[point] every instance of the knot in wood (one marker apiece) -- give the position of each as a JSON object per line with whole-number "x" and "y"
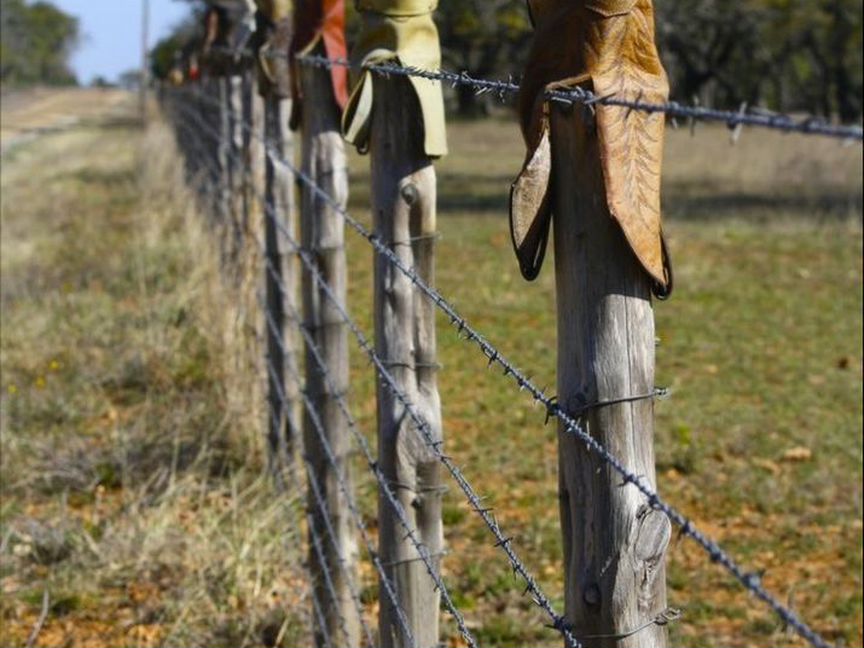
{"x": 410, "y": 194}
{"x": 591, "y": 595}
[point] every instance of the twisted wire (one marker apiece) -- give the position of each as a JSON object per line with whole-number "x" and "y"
{"x": 353, "y": 508}
{"x": 343, "y": 487}
{"x": 502, "y": 89}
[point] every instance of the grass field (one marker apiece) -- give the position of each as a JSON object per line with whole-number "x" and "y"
{"x": 132, "y": 485}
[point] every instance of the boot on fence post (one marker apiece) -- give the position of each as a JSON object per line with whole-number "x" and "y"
{"x": 280, "y": 267}
{"x": 319, "y": 27}
{"x": 404, "y": 132}
{"x": 594, "y": 171}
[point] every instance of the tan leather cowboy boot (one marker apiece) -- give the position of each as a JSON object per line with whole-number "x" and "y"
{"x": 607, "y": 47}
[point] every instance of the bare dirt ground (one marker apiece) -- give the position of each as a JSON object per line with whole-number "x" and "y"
{"x": 25, "y": 114}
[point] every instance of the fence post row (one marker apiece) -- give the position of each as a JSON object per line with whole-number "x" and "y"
{"x": 280, "y": 271}
{"x": 608, "y": 255}
{"x": 319, "y": 27}
{"x": 403, "y": 133}
{"x": 225, "y": 71}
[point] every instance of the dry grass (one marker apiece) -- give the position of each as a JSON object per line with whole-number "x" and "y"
{"x": 133, "y": 487}
{"x": 131, "y": 432}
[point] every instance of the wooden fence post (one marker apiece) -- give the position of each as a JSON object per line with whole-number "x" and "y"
{"x": 223, "y": 154}
{"x": 593, "y": 171}
{"x": 403, "y": 207}
{"x": 236, "y": 166}
{"x": 251, "y": 151}
{"x": 322, "y": 234}
{"x": 614, "y": 543}
{"x": 281, "y": 282}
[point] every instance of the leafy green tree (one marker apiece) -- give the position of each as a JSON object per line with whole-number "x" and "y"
{"x": 484, "y": 38}
{"x": 781, "y": 54}
{"x": 786, "y": 55}
{"x": 36, "y": 41}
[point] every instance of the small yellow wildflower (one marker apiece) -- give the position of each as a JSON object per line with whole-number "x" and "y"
{"x": 54, "y": 366}
{"x": 40, "y": 382}
{"x": 12, "y": 389}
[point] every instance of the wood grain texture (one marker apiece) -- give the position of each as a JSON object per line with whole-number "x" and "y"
{"x": 403, "y": 206}
{"x": 284, "y": 424}
{"x": 614, "y": 544}
{"x": 253, "y": 155}
{"x": 236, "y": 166}
{"x": 223, "y": 153}
{"x": 322, "y": 233}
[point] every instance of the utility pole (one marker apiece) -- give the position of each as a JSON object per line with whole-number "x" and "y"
{"x": 145, "y": 72}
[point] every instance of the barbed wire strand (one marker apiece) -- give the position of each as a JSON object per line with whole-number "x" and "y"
{"x": 319, "y": 551}
{"x": 321, "y": 506}
{"x": 486, "y": 513}
{"x": 284, "y": 404}
{"x": 750, "y": 581}
{"x": 423, "y": 552}
{"x": 346, "y": 492}
{"x": 353, "y": 508}
{"x": 717, "y": 555}
{"x": 284, "y": 466}
{"x": 317, "y": 608}
{"x": 502, "y": 89}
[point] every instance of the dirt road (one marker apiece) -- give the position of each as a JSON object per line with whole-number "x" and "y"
{"x": 25, "y": 114}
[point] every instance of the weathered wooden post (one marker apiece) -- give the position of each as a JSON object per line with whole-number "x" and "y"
{"x": 595, "y": 172}
{"x": 236, "y": 158}
{"x": 403, "y": 132}
{"x": 280, "y": 266}
{"x": 254, "y": 155}
{"x": 223, "y": 157}
{"x": 319, "y": 96}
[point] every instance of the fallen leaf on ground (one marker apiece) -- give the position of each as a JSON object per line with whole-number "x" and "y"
{"x": 798, "y": 453}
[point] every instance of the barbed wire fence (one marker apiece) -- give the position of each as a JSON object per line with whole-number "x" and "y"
{"x": 191, "y": 109}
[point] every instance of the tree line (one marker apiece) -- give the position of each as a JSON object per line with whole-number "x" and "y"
{"x": 36, "y": 43}
{"x": 781, "y": 55}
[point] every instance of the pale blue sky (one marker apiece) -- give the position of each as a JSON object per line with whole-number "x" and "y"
{"x": 112, "y": 33}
